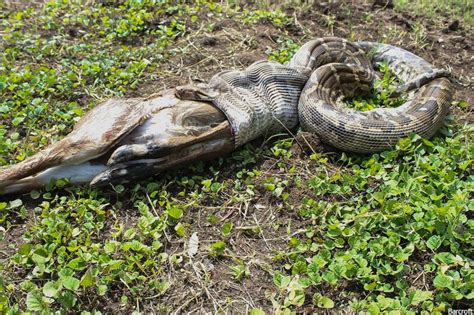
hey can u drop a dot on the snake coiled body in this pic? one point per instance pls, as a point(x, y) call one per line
point(267, 97)
point(122, 140)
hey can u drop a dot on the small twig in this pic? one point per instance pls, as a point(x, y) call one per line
point(152, 205)
point(289, 131)
point(185, 304)
point(246, 210)
point(261, 233)
point(309, 145)
point(208, 294)
point(419, 275)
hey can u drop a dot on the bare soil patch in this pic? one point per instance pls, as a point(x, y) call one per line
point(232, 45)
point(204, 284)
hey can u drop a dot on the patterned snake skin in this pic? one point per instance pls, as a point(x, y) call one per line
point(269, 97)
point(130, 139)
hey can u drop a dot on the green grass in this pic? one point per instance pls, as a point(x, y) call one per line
point(454, 9)
point(388, 232)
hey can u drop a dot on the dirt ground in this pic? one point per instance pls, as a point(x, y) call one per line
point(205, 284)
point(232, 45)
point(445, 42)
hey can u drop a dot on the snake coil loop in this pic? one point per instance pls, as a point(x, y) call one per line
point(268, 97)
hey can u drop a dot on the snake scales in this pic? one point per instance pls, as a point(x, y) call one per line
point(268, 97)
point(124, 140)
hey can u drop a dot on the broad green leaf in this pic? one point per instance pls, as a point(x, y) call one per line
point(445, 258)
point(87, 279)
point(462, 104)
point(65, 272)
point(218, 248)
point(370, 286)
point(256, 311)
point(109, 247)
point(51, 289)
point(25, 249)
point(215, 187)
point(280, 280)
point(101, 289)
point(325, 302)
point(34, 194)
point(180, 230)
point(129, 234)
point(434, 242)
point(77, 264)
point(71, 283)
point(442, 281)
point(226, 228)
point(330, 277)
point(15, 204)
point(419, 296)
point(322, 301)
point(67, 299)
point(296, 297)
point(119, 189)
point(175, 213)
point(40, 256)
point(4, 109)
point(207, 183)
point(34, 301)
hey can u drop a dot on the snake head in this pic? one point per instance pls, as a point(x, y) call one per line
point(196, 92)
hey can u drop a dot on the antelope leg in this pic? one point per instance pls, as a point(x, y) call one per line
point(94, 134)
point(139, 137)
point(158, 149)
point(78, 174)
point(139, 169)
